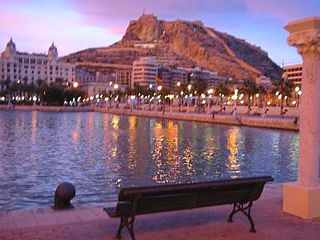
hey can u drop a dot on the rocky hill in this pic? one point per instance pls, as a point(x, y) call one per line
point(183, 43)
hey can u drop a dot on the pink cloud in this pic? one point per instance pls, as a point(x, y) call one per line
point(284, 10)
point(115, 14)
point(34, 35)
point(118, 12)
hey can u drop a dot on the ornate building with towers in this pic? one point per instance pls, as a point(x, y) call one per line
point(34, 68)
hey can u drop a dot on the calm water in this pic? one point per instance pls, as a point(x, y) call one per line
point(100, 153)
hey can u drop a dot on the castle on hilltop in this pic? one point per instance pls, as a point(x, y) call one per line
point(25, 68)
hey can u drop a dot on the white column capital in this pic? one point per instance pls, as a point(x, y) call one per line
point(305, 35)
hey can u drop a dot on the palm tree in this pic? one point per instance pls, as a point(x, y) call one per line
point(249, 88)
point(13, 89)
point(262, 93)
point(59, 81)
point(222, 90)
point(284, 89)
point(200, 87)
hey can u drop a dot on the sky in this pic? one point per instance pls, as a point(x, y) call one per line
point(75, 25)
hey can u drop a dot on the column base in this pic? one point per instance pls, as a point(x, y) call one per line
point(301, 201)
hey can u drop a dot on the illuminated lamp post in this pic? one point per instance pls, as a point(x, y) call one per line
point(132, 98)
point(116, 87)
point(210, 92)
point(234, 97)
point(159, 88)
point(298, 92)
point(178, 88)
point(149, 96)
point(181, 100)
point(190, 95)
point(75, 84)
point(171, 97)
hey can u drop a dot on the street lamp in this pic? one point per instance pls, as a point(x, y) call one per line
point(159, 88)
point(297, 91)
point(116, 86)
point(75, 84)
point(190, 95)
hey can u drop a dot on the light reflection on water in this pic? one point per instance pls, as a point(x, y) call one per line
point(100, 153)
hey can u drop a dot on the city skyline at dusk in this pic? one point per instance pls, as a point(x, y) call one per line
point(77, 25)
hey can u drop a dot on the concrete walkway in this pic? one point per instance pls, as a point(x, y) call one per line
point(272, 120)
point(205, 223)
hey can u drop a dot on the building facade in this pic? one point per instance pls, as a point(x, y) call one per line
point(93, 83)
point(211, 78)
point(168, 77)
point(92, 89)
point(144, 72)
point(25, 68)
point(293, 73)
point(124, 77)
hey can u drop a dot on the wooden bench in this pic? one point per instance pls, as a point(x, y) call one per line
point(134, 201)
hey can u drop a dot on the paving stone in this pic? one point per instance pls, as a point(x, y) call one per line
point(201, 224)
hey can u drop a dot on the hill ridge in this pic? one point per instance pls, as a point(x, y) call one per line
point(184, 44)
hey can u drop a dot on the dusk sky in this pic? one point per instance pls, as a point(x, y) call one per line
point(79, 24)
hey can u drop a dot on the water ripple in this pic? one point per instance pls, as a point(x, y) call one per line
point(100, 153)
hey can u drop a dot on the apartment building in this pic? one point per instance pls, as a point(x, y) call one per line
point(144, 72)
point(293, 73)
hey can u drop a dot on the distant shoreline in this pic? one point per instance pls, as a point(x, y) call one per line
point(274, 122)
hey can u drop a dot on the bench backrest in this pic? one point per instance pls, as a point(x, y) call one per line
point(162, 198)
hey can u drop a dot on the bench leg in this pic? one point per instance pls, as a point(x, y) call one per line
point(130, 227)
point(232, 213)
point(121, 225)
point(128, 223)
point(246, 210)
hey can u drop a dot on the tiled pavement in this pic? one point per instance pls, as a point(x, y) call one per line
point(206, 223)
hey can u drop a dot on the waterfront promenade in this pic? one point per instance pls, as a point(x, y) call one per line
point(206, 223)
point(257, 118)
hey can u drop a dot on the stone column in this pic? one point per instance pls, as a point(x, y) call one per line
point(303, 198)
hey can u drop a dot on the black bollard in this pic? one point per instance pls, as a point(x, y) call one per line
point(64, 193)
